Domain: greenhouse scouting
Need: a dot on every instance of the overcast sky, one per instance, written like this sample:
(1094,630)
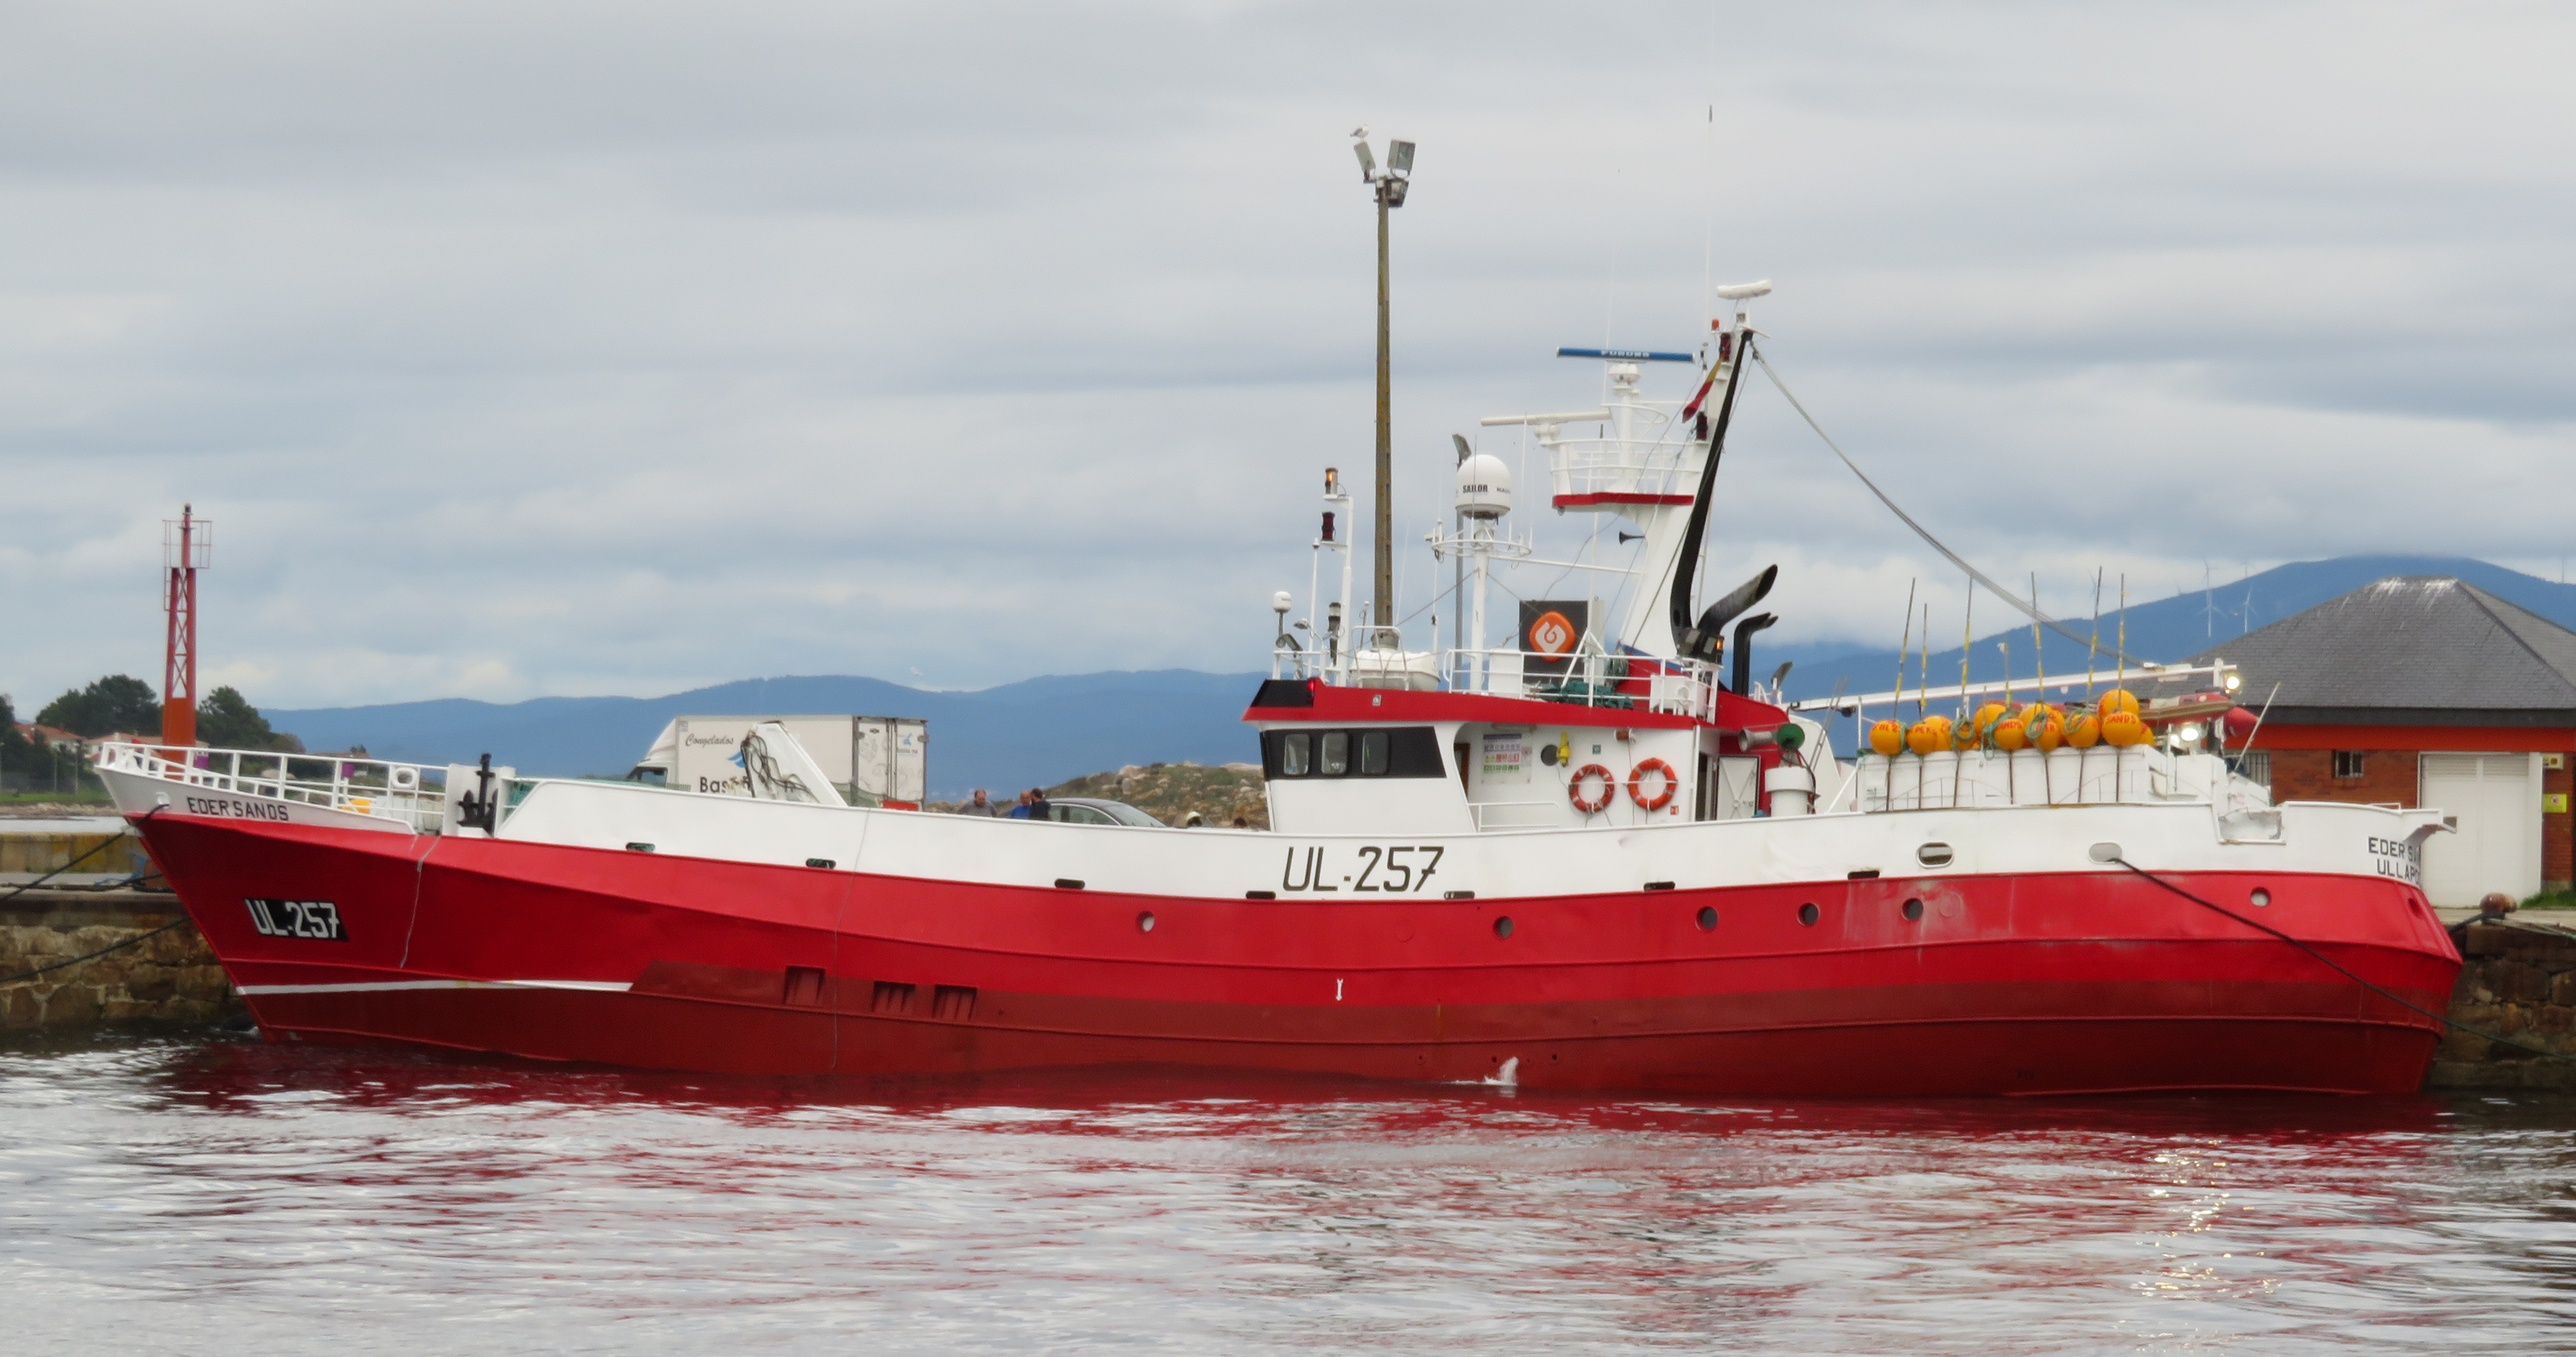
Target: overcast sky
(620,348)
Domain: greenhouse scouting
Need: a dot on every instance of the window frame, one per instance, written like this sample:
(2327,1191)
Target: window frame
(1407,752)
(1374,747)
(1325,750)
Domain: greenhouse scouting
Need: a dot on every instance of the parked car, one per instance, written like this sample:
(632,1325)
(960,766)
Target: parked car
(1084,810)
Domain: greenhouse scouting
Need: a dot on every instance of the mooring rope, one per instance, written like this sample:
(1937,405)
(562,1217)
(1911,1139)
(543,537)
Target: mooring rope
(2347,972)
(103,951)
(92,956)
(103,846)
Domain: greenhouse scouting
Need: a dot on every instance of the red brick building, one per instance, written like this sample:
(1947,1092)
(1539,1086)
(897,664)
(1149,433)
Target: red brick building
(2423,690)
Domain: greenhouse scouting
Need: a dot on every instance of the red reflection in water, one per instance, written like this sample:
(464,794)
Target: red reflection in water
(1161,1207)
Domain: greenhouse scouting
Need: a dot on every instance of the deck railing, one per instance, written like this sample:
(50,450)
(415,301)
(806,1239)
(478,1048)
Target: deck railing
(1617,467)
(412,793)
(1589,677)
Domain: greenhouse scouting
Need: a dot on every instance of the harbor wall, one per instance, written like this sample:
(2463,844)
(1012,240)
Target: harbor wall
(170,979)
(2517,982)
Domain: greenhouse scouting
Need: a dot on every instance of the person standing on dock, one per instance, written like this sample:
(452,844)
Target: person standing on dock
(980,806)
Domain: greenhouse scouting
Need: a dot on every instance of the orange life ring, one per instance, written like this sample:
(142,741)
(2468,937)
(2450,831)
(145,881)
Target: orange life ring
(1609,788)
(1662,798)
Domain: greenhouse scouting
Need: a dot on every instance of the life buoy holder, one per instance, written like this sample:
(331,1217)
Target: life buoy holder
(1660,799)
(1592,805)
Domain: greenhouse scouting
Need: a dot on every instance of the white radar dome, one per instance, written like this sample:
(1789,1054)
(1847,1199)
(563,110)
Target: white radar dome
(1484,487)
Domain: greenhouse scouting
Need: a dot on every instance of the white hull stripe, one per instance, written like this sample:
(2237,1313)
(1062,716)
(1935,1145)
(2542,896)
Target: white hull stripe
(599,986)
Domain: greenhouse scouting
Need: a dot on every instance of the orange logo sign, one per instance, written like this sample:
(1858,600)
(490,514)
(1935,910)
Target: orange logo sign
(1551,634)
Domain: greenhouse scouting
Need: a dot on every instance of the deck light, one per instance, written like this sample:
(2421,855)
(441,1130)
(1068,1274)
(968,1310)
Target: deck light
(2187,733)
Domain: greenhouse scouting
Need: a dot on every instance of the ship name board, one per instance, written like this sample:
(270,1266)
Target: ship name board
(234,808)
(2398,860)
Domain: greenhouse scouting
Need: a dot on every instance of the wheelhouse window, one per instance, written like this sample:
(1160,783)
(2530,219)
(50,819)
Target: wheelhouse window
(2347,763)
(1385,751)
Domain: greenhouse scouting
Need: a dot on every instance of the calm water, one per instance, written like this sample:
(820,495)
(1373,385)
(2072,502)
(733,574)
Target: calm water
(199,1196)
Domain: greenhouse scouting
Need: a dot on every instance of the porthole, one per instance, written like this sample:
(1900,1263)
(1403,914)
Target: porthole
(1808,914)
(1933,855)
(1708,918)
(1913,910)
(2261,897)
(1145,922)
(1503,927)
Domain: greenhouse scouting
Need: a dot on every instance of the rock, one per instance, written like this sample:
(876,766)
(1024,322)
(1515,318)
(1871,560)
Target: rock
(151,983)
(2518,981)
(70,1004)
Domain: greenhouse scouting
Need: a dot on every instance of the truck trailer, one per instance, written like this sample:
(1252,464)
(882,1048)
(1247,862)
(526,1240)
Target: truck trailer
(871,760)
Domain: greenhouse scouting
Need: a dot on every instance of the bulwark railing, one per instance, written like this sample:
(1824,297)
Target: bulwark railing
(411,793)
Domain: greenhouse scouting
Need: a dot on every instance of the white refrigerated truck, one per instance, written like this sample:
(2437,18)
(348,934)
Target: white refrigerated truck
(871,760)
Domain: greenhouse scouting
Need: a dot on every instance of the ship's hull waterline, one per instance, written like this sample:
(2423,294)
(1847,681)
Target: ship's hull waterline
(2000,983)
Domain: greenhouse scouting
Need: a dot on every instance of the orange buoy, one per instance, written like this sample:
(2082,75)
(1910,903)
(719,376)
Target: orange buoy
(2123,729)
(1660,769)
(1987,716)
(1591,805)
(2047,730)
(1930,734)
(1888,738)
(2083,730)
(2116,701)
(2009,734)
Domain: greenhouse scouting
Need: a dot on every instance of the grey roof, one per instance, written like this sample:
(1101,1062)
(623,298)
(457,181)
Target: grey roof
(2415,648)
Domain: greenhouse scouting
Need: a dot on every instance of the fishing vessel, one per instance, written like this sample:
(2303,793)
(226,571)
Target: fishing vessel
(1598,852)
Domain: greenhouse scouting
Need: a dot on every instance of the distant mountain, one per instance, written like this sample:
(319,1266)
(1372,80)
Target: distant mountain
(1045,730)
(2168,629)
(1034,733)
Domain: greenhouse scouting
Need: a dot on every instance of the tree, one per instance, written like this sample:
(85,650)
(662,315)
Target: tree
(227,720)
(116,703)
(31,765)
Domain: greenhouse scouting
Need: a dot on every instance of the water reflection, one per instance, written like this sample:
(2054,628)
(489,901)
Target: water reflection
(302,1199)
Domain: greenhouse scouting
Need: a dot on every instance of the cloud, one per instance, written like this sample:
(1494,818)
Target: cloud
(618,349)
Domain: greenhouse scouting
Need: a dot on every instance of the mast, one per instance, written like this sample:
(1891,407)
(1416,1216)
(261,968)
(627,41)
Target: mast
(1388,187)
(1735,349)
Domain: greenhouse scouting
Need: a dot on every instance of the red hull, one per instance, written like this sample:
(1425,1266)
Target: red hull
(2023,984)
